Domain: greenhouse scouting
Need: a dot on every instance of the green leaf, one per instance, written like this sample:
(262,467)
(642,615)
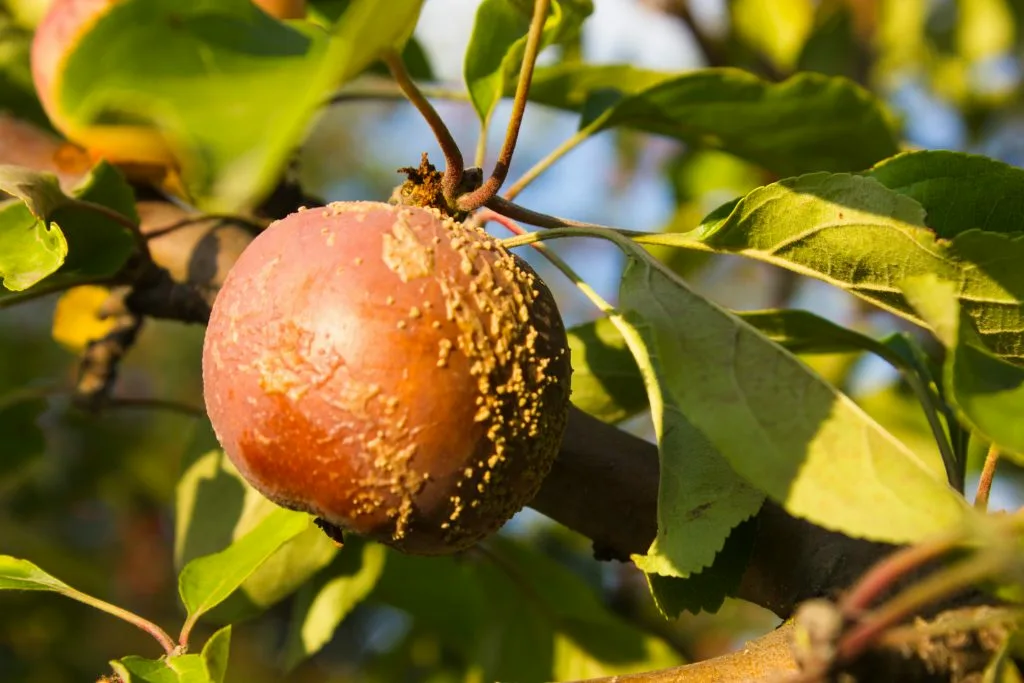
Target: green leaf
(986,390)
(48,236)
(607,384)
(16,574)
(706,590)
(22,575)
(515,614)
(959,192)
(855,233)
(215,654)
(177,669)
(701,499)
(779,425)
(276,76)
(540,598)
(776,28)
(30,250)
(209,580)
(605,380)
(809,122)
(322,606)
(215,507)
(496,46)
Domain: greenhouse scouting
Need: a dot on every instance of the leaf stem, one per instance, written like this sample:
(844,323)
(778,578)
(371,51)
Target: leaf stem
(954,473)
(186,629)
(548,253)
(454,164)
(544,164)
(479,197)
(134,619)
(988,473)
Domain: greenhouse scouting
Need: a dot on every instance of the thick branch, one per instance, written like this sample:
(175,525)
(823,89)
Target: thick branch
(604,485)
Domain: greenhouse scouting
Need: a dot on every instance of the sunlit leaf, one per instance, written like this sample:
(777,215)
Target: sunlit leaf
(987,390)
(276,76)
(706,590)
(177,669)
(607,384)
(322,606)
(215,653)
(53,239)
(959,192)
(498,41)
(215,507)
(809,122)
(22,575)
(209,580)
(779,425)
(30,249)
(701,499)
(855,233)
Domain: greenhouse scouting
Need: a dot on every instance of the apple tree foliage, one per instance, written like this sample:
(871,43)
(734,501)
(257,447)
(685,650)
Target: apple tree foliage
(814,177)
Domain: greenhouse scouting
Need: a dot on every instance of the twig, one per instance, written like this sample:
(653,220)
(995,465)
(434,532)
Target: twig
(254,226)
(454,163)
(988,473)
(480,196)
(97,370)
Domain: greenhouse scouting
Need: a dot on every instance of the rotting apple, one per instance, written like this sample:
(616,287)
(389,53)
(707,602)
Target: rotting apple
(396,373)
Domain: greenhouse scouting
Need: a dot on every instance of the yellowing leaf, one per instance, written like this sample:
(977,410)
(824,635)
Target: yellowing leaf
(77,321)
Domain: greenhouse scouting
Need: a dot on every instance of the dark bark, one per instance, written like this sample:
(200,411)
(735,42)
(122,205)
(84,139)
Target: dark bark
(604,485)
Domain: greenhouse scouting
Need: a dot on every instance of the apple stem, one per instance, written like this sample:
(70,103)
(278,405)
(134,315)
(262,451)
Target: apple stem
(480,196)
(454,164)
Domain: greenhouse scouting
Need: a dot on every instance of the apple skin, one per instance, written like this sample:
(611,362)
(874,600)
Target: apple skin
(397,374)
